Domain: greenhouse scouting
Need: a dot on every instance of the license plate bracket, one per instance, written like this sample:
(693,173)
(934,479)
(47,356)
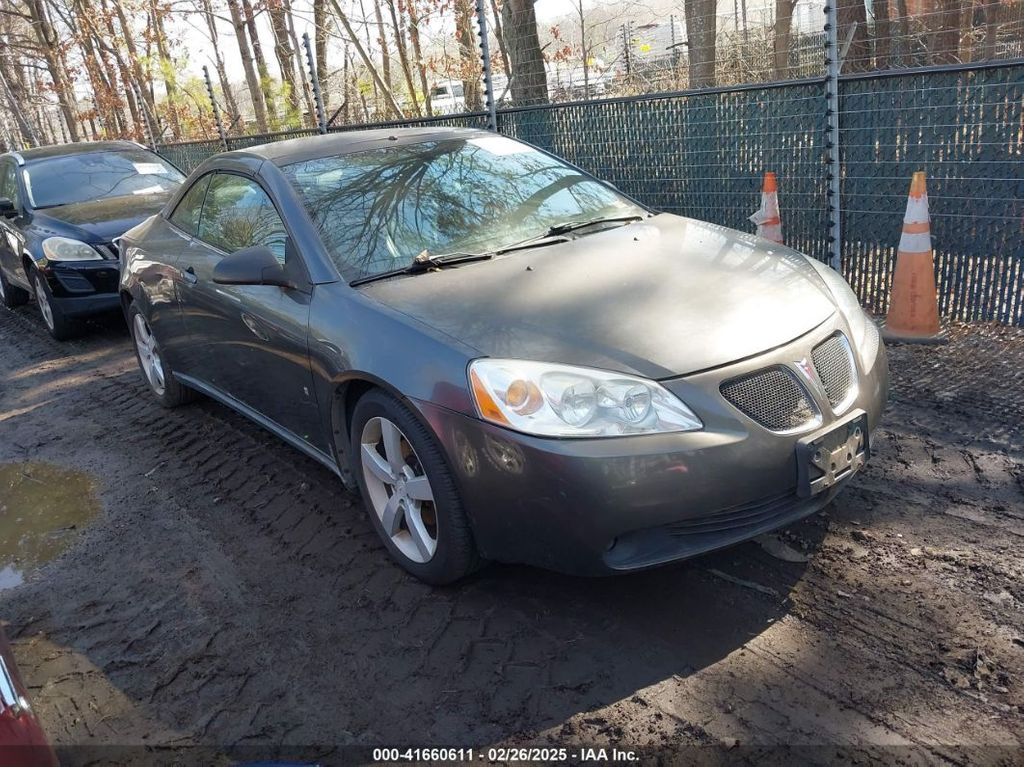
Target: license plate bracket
(828,457)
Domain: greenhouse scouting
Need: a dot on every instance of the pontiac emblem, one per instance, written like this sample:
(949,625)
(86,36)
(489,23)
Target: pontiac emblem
(807,369)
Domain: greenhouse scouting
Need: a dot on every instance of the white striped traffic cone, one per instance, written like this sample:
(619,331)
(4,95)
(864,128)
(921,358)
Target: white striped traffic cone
(913,307)
(767,218)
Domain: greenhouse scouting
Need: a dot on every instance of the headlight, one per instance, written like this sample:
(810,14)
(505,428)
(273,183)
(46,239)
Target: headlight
(552,400)
(864,332)
(66,249)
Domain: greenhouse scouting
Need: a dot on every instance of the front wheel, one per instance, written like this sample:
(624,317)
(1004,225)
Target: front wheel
(409,491)
(155,371)
(61,327)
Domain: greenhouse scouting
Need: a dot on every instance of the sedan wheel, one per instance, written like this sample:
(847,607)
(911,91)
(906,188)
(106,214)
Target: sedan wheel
(409,491)
(168,390)
(44,303)
(149,358)
(62,328)
(399,490)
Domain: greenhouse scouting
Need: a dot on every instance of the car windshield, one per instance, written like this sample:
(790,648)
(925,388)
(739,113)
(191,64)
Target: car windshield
(378,209)
(98,175)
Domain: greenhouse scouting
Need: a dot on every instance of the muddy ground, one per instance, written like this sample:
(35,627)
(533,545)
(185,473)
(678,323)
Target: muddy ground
(230,594)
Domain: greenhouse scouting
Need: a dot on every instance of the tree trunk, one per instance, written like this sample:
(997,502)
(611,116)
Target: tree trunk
(50,48)
(701,28)
(382,41)
(403,53)
(320,44)
(167,67)
(299,56)
(367,61)
(944,36)
(469,56)
(251,79)
(852,14)
(991,11)
(128,37)
(421,63)
(266,84)
(783,37)
(284,53)
(231,106)
(883,34)
(499,34)
(528,77)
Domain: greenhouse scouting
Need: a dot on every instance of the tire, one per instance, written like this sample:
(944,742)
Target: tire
(442,519)
(11,296)
(61,327)
(157,374)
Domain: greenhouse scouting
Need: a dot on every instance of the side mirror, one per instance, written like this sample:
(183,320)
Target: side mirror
(251,266)
(7,209)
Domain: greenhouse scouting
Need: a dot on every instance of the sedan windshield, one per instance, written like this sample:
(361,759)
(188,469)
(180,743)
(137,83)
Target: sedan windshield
(97,176)
(379,209)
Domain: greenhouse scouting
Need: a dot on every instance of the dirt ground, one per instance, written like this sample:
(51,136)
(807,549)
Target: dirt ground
(229,594)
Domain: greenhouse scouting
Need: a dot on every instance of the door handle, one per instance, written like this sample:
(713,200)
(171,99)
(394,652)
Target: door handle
(189,276)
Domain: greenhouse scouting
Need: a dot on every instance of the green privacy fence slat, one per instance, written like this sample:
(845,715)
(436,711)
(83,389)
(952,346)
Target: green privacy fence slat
(965,129)
(703,154)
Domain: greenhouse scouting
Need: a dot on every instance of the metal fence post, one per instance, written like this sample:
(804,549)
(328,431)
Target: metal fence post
(314,79)
(216,111)
(485,55)
(832,65)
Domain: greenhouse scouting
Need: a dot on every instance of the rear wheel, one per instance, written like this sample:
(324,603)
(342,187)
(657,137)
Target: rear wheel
(409,491)
(61,327)
(155,371)
(11,296)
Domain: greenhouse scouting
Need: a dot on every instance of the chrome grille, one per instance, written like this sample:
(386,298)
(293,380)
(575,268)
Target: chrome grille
(833,359)
(773,397)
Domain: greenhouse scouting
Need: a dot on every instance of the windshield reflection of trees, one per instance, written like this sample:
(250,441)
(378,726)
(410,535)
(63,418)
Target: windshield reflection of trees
(378,209)
(83,178)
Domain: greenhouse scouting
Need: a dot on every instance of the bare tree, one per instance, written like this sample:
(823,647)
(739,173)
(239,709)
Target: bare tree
(529,82)
(783,41)
(701,27)
(251,78)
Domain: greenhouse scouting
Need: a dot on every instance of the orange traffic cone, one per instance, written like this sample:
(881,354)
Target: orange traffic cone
(913,307)
(767,218)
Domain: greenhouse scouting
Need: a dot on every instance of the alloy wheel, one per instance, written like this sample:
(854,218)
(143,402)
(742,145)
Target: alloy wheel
(44,302)
(149,356)
(399,489)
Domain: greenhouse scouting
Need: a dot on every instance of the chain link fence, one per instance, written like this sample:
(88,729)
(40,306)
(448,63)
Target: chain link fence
(692,132)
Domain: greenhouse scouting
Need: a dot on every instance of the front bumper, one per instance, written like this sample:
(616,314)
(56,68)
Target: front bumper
(81,288)
(599,506)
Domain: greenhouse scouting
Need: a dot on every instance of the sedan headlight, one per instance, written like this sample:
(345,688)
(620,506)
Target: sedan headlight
(551,400)
(66,249)
(864,332)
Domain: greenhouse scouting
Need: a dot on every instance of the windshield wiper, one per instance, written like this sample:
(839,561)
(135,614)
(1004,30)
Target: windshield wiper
(571,226)
(557,232)
(425,262)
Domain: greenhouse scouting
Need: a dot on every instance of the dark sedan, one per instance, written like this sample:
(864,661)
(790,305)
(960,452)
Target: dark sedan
(61,209)
(511,359)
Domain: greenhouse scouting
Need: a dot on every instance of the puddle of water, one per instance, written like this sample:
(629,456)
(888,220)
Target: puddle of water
(42,508)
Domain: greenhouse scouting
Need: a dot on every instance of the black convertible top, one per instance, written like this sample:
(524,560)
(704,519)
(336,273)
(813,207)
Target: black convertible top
(282,153)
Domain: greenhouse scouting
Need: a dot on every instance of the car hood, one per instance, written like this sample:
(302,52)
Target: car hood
(663,297)
(100,220)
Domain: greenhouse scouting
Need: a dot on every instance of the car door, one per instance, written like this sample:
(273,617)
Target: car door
(160,263)
(11,239)
(249,342)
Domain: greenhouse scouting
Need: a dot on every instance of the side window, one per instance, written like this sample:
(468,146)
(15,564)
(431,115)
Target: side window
(9,182)
(238,214)
(186,214)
